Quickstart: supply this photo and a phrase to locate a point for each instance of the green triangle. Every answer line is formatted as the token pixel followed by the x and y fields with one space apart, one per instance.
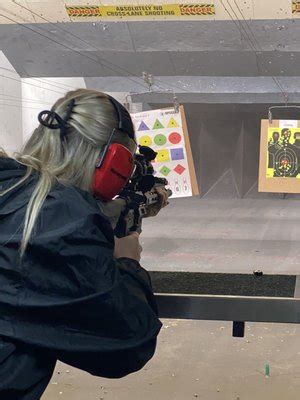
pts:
pixel 172 123
pixel 158 125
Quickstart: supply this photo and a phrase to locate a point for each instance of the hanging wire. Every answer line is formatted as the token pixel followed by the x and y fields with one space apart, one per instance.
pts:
pixel 243 33
pixel 27 100
pixel 253 48
pixel 63 85
pixel 97 48
pixel 34 79
pixel 44 81
pixel 28 83
pixel 285 95
pixel 13 71
pixel 76 37
pixel 21 99
pixel 63 45
pixel 73 35
pixel 253 42
pixel 246 37
pixel 50 83
pixel 261 49
pixel 18 106
pixel 248 25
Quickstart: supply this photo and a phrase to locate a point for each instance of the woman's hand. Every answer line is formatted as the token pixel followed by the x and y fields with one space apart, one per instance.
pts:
pixel 128 247
pixel 163 197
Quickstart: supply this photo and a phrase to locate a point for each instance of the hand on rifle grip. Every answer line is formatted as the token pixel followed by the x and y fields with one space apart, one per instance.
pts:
pixel 128 247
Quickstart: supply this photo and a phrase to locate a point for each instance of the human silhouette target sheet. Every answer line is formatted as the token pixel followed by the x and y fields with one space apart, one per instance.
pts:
pixel 165 132
pixel 283 152
pixel 280 156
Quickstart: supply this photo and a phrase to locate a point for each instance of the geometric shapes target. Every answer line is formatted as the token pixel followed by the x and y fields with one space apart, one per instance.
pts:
pixel 179 169
pixel 145 140
pixel 162 156
pixel 158 125
pixel 143 127
pixel 165 170
pixel 160 140
pixel 175 138
pixel 172 123
pixel 177 154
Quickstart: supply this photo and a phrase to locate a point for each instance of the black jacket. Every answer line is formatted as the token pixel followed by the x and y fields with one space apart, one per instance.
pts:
pixel 68 298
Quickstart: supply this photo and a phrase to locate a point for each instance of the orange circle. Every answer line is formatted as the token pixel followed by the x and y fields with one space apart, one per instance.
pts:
pixel 175 138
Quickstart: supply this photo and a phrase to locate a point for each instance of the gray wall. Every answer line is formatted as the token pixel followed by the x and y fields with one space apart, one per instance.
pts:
pixel 225 145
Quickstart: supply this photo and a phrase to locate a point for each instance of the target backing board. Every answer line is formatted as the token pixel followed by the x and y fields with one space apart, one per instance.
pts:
pixel 279 167
pixel 165 131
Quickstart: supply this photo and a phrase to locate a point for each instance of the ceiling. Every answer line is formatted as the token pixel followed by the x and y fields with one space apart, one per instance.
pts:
pixel 206 61
pixel 161 48
pixel 33 11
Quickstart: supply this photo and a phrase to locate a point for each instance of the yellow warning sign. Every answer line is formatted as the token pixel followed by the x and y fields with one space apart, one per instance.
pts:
pixel 145 11
pixel 84 11
pixel 296 7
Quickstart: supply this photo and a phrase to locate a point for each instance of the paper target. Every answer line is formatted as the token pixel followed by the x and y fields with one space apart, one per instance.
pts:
pixel 285 163
pixel 165 131
pixel 279 161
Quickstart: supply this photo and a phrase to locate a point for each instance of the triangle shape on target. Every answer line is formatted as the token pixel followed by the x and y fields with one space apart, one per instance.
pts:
pixel 172 123
pixel 143 127
pixel 158 125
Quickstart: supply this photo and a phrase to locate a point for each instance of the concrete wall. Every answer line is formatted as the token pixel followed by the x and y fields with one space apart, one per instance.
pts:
pixel 40 94
pixel 22 99
pixel 10 107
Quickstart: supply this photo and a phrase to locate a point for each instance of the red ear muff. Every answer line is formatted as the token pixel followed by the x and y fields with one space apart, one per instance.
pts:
pixel 113 173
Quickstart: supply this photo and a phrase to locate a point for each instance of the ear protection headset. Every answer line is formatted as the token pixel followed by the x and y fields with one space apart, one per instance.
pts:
pixel 115 164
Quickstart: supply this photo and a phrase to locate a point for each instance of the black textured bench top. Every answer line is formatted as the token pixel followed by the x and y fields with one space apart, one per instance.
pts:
pixel 223 284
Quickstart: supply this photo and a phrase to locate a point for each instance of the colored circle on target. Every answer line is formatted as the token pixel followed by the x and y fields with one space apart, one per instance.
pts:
pixel 175 138
pixel 145 140
pixel 160 140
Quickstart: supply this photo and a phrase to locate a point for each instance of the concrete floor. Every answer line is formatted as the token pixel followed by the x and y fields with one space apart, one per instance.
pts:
pixel 224 235
pixel 199 360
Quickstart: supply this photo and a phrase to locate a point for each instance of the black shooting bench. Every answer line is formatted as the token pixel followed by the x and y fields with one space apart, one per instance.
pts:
pixel 228 297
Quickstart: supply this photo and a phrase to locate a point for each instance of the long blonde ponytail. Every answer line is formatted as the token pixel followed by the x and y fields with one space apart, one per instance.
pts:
pixel 70 162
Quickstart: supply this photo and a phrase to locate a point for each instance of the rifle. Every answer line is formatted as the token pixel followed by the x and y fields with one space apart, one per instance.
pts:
pixel 127 211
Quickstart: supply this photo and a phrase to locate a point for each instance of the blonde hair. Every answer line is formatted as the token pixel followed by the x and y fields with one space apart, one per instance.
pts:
pixel 71 161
